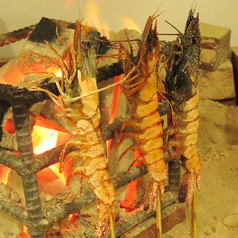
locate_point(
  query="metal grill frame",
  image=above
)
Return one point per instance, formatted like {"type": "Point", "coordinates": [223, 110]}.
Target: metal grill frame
{"type": "Point", "coordinates": [27, 165]}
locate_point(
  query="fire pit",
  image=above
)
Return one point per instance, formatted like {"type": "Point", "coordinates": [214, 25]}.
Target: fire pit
{"type": "Point", "coordinates": [21, 158]}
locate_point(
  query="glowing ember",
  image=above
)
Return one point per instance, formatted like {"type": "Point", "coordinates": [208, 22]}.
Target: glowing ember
{"type": "Point", "coordinates": [114, 108]}
{"type": "Point", "coordinates": [55, 69]}
{"type": "Point", "coordinates": [115, 99]}
{"type": "Point", "coordinates": [4, 171]}
{"type": "Point", "coordinates": [43, 139]}
{"type": "Point", "coordinates": [9, 127]}
{"type": "Point", "coordinates": [24, 233]}
{"type": "Point", "coordinates": [55, 169]}
{"type": "Point", "coordinates": [130, 202]}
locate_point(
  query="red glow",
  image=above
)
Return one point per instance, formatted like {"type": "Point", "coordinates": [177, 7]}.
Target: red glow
{"type": "Point", "coordinates": [9, 127]}
{"type": "Point", "coordinates": [115, 99]}
{"type": "Point", "coordinates": [24, 234]}
{"type": "Point", "coordinates": [4, 171]}
{"type": "Point", "coordinates": [114, 107]}
{"type": "Point", "coordinates": [130, 202]}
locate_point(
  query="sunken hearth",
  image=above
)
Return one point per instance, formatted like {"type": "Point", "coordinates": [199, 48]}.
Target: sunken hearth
{"type": "Point", "coordinates": [47, 215]}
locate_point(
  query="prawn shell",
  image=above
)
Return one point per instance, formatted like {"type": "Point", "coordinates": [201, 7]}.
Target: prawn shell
{"type": "Point", "coordinates": [93, 165]}
{"type": "Point", "coordinates": [149, 121]}
{"type": "Point", "coordinates": [98, 177]}
{"type": "Point", "coordinates": [152, 156]}
{"type": "Point", "coordinates": [106, 192]}
{"type": "Point", "coordinates": [158, 171]}
{"type": "Point", "coordinates": [146, 109]}
{"type": "Point", "coordinates": [151, 144]}
{"type": "Point", "coordinates": [150, 132]}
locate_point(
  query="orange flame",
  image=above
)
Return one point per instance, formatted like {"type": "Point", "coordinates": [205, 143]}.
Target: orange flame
{"type": "Point", "coordinates": [130, 202]}
{"type": "Point", "coordinates": [93, 18]}
{"type": "Point", "coordinates": [130, 24]}
{"type": "Point", "coordinates": [24, 234]}
{"type": "Point", "coordinates": [43, 139]}
{"type": "Point", "coordinates": [4, 171]}
{"type": "Point", "coordinates": [46, 139]}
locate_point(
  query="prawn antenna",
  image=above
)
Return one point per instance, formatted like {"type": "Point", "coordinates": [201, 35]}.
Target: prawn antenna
{"type": "Point", "coordinates": [79, 8]}
{"type": "Point", "coordinates": [172, 110]}
{"type": "Point", "coordinates": [194, 3]}
{"type": "Point", "coordinates": [174, 27]}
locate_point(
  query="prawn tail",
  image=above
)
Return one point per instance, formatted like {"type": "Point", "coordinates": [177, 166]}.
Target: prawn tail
{"type": "Point", "coordinates": [151, 195]}
{"type": "Point", "coordinates": [187, 186]}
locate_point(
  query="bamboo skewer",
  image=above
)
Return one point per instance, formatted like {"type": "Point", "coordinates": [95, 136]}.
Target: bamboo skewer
{"type": "Point", "coordinates": [111, 224]}
{"type": "Point", "coordinates": [193, 215]}
{"type": "Point", "coordinates": [158, 217]}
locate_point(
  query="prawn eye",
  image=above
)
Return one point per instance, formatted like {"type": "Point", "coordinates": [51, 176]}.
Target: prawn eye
{"type": "Point", "coordinates": [87, 44]}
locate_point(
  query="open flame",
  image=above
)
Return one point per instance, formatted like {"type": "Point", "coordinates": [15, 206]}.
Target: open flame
{"type": "Point", "coordinates": [130, 202]}
{"type": "Point", "coordinates": [4, 171]}
{"type": "Point", "coordinates": [93, 18]}
{"type": "Point", "coordinates": [24, 234]}
{"type": "Point", "coordinates": [45, 139]}
{"type": "Point", "coordinates": [130, 24]}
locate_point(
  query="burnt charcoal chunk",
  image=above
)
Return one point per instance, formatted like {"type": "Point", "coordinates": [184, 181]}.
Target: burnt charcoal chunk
{"type": "Point", "coordinates": [100, 47]}
{"type": "Point", "coordinates": [45, 30]}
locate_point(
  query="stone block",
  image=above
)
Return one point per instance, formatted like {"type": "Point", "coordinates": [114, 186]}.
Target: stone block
{"type": "Point", "coordinates": [217, 84]}
{"type": "Point", "coordinates": [215, 45]}
{"type": "Point", "coordinates": [234, 50]}
{"type": "Point", "coordinates": [173, 215]}
{"type": "Point", "coordinates": [234, 59]}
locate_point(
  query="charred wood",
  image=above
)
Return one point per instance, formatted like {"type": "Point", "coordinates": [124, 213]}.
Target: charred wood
{"type": "Point", "coordinates": [109, 71]}
{"type": "Point", "coordinates": [14, 36]}
{"type": "Point", "coordinates": [23, 33]}
{"type": "Point", "coordinates": [119, 180]}
{"type": "Point", "coordinates": [138, 216]}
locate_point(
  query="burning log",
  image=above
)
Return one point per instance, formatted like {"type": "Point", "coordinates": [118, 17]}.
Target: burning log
{"type": "Point", "coordinates": [12, 37]}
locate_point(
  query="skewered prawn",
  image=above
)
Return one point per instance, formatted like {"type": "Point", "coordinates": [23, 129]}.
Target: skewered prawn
{"type": "Point", "coordinates": [83, 115]}
{"type": "Point", "coordinates": [182, 87]}
{"type": "Point", "coordinates": [140, 89]}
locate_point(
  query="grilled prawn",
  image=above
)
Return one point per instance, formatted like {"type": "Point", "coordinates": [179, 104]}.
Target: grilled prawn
{"type": "Point", "coordinates": [79, 78]}
{"type": "Point", "coordinates": [182, 88]}
{"type": "Point", "coordinates": [140, 89]}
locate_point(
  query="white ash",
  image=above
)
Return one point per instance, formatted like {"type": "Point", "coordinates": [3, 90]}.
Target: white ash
{"type": "Point", "coordinates": [9, 227]}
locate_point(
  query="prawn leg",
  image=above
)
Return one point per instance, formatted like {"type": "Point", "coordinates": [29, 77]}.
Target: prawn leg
{"type": "Point", "coordinates": [80, 106]}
